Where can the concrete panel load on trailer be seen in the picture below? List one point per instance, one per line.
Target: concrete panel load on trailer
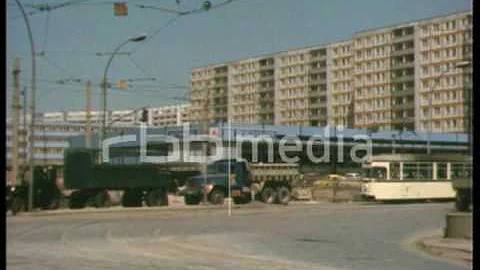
(273, 171)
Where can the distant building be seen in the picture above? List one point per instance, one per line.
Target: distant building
(172, 115)
(54, 129)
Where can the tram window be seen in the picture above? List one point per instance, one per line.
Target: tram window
(377, 173)
(394, 170)
(457, 170)
(468, 170)
(380, 173)
(409, 171)
(425, 171)
(441, 171)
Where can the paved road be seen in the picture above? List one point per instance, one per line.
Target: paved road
(323, 236)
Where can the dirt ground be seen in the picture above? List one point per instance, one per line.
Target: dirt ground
(346, 191)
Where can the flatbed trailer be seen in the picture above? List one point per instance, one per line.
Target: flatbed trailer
(140, 183)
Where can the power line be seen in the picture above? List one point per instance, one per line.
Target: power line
(155, 33)
(58, 67)
(179, 14)
(65, 84)
(45, 36)
(136, 64)
(71, 52)
(46, 7)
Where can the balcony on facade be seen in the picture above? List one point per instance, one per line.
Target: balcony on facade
(318, 54)
(405, 75)
(267, 64)
(403, 34)
(406, 48)
(318, 68)
(220, 71)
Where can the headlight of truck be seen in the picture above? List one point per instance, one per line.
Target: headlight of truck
(233, 179)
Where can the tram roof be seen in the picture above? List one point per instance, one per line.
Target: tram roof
(420, 157)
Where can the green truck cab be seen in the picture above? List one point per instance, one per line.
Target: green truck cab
(46, 194)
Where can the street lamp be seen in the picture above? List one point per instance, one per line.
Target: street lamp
(467, 97)
(104, 84)
(32, 106)
(461, 64)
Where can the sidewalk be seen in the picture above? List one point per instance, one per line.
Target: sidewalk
(459, 250)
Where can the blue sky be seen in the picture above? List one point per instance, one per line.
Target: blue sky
(241, 29)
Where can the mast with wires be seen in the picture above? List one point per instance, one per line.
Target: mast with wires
(88, 109)
(15, 121)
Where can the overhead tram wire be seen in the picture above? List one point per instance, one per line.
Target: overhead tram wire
(80, 87)
(47, 26)
(179, 14)
(144, 72)
(46, 7)
(155, 33)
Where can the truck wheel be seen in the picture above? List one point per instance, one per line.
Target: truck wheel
(255, 188)
(102, 199)
(462, 201)
(242, 199)
(283, 195)
(217, 196)
(18, 205)
(269, 195)
(192, 199)
(54, 204)
(132, 198)
(77, 200)
(157, 197)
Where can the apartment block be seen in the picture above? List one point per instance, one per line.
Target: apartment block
(443, 83)
(251, 91)
(340, 83)
(402, 77)
(209, 95)
(384, 78)
(291, 93)
(169, 116)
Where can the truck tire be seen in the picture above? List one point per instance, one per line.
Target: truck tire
(18, 205)
(157, 197)
(255, 189)
(462, 200)
(192, 199)
(283, 195)
(53, 204)
(269, 195)
(102, 199)
(242, 199)
(77, 200)
(132, 198)
(217, 196)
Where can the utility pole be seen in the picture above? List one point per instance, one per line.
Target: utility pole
(16, 117)
(88, 109)
(25, 163)
(44, 143)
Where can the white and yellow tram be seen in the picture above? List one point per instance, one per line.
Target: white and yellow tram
(394, 177)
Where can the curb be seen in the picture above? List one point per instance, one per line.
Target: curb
(454, 250)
